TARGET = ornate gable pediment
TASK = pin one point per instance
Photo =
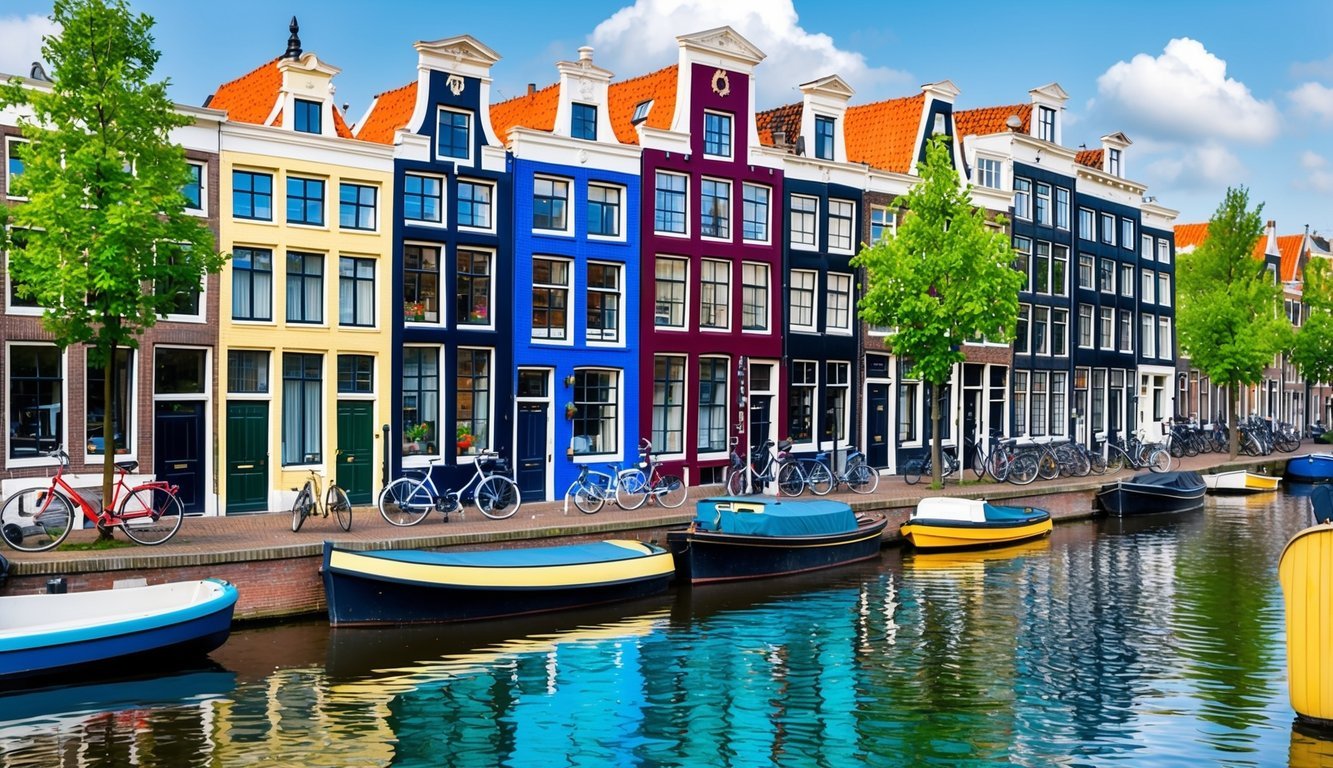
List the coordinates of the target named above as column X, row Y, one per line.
column 723, row 41
column 832, row 85
column 460, row 53
column 1050, row 92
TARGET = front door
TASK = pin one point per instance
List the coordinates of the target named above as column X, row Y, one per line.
column 178, row 451
column 760, row 419
column 532, row 457
column 247, row 457
column 356, row 450
column 972, row 403
column 877, row 426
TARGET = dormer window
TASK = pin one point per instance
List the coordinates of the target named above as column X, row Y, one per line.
column 308, row 116
column 641, row 111
column 583, row 122
column 1113, row 161
column 1046, row 124
column 824, row 137
column 453, row 136
column 717, row 134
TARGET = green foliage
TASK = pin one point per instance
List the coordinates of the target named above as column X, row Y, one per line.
column 1312, row 350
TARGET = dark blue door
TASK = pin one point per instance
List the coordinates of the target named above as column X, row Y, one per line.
column 532, row 459
column 178, row 450
column 877, row 425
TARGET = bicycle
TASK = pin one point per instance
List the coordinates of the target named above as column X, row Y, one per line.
column 38, row 519
column 667, row 490
column 406, row 501
column 1135, row 454
column 625, row 488
column 915, row 468
column 307, row 504
column 745, row 476
column 856, row 474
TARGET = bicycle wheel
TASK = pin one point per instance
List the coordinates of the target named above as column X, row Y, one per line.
column 632, row 489
column 670, row 491
column 1048, row 467
column 337, row 502
column 1097, row 463
column 36, row 520
column 736, row 482
column 819, row 479
column 912, row 471
column 587, row 498
column 305, row 502
column 1115, row 460
column 862, row 478
column 1160, row 460
column 791, row 482
column 979, row 462
column 497, row 497
column 1023, row 469
column 998, row 466
column 151, row 515
column 404, row 502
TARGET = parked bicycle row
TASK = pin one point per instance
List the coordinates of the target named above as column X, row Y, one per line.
column 1258, row 437
column 773, row 463
column 1009, row 460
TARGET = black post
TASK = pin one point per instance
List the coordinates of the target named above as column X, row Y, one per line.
column 385, row 430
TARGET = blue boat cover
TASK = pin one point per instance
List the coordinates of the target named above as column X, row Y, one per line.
column 590, row 552
column 765, row 517
column 997, row 514
column 1321, row 501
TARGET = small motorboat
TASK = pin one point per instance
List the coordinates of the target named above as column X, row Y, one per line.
column 1304, row 570
column 1240, row 481
column 409, row 586
column 940, row 522
column 747, row 537
column 48, row 635
column 1152, row 492
column 1311, row 468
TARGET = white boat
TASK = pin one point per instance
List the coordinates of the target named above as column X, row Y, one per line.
column 1240, row 481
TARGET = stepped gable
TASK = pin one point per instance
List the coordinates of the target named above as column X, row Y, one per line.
column 389, row 112
column 534, row 110
column 659, row 86
column 884, row 134
column 1092, row 158
column 785, row 119
column 251, row 98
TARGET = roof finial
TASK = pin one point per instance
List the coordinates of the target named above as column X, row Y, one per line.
column 293, row 42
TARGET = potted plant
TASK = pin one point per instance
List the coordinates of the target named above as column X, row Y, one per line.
column 571, row 410
column 415, row 436
column 414, row 311
column 463, row 435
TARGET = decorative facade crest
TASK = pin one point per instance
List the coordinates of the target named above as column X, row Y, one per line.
column 455, row 84
column 721, row 83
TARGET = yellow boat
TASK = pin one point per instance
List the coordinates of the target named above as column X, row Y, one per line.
column 1240, row 482
column 1305, row 571
column 950, row 523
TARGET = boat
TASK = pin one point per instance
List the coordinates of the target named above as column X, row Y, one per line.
column 1311, row 468
column 941, row 522
column 745, row 537
column 1305, row 570
column 1240, row 481
column 49, row 635
column 410, row 586
column 1151, row 492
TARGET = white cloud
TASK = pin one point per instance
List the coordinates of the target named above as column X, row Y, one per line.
column 21, row 42
column 642, row 37
column 1321, row 69
column 1207, row 165
column 1318, row 176
column 1185, row 94
column 1313, row 100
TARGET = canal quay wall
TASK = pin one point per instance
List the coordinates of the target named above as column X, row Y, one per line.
column 277, row 572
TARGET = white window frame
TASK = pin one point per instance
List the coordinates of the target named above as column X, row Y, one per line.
column 1147, row 287
column 444, row 201
column 471, row 132
column 1148, row 332
column 724, row 219
column 705, row 265
column 805, row 282
column 1163, row 251
column 882, row 216
column 131, row 414
column 477, row 183
column 1106, row 225
column 556, row 183
column 731, row 134
column 989, row 172
column 1164, row 289
column 684, row 324
column 1043, row 215
column 767, row 212
column 833, row 280
column 63, row 438
column 1106, row 328
column 810, row 216
column 10, row 141
column 685, row 197
column 759, row 267
column 620, row 191
column 1127, row 230
column 1087, row 329
column 202, row 165
column 568, row 288
column 1126, row 331
column 1126, row 279
column 1089, row 232
column 1023, row 194
column 848, row 221
column 1063, row 203
column 599, row 337
column 1165, row 347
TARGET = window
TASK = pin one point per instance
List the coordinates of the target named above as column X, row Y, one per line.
column 603, row 210
column 1127, row 280
column 421, row 397
column 356, row 206
column 1127, row 233
column 1106, row 328
column 1113, row 162
column 1021, row 329
column 836, row 387
column 472, row 299
column 596, row 412
column 1041, row 268
column 550, row 299
column 305, row 201
column 1020, row 402
column 1164, row 289
column 1148, row 335
column 1023, row 260
column 180, row 371
column 550, row 198
column 1041, row 330
column 803, row 299
column 194, row 189
column 356, row 291
column 715, row 208
column 714, row 294
column 881, row 224
column 356, row 374
column 1164, row 251
column 1038, row 404
column 603, row 302
column 36, row 400
column 801, row 401
column 184, row 295
column 302, row 413
column 1085, row 271
column 421, row 283
column 1164, row 348
column 1087, row 225
column 988, row 173
column 583, row 121
column 1126, row 331
column 717, row 134
column 754, row 212
column 669, row 206
column 13, row 164
column 1046, row 124
column 1146, row 247
column 1060, row 332
column 305, row 287
column 1108, row 228
column 251, row 284
column 453, row 135
column 824, row 137
column 1061, row 208
column 839, row 316
column 840, row 216
column 1059, row 411
column 641, row 111
column 669, row 303
column 474, row 204
column 712, row 404
column 1106, row 275
column 423, row 198
column 668, row 425
column 754, row 296
column 1042, row 208
column 1085, row 326
column 1022, row 198
column 308, row 116
column 1148, row 287
column 804, row 215
column 252, row 195
column 247, row 372
column 473, row 409
column 1059, row 268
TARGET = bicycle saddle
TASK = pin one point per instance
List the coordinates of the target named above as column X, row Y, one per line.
column 128, row 466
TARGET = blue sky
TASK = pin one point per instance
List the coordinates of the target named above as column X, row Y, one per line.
column 1211, row 93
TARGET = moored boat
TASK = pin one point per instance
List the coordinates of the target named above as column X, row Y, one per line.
column 1152, row 492
column 408, row 586
column 733, row 538
column 48, row 635
column 1311, row 468
column 1304, row 570
column 1240, row 481
column 940, row 522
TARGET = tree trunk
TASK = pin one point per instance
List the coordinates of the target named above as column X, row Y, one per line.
column 935, row 468
column 1233, row 428
column 108, row 432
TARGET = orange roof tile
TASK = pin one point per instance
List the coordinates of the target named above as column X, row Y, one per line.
column 786, row 119
column 250, row 97
column 534, row 110
column 659, row 86
column 884, row 134
column 987, row 120
column 1290, row 248
column 390, row 111
column 1190, row 235
column 1091, row 158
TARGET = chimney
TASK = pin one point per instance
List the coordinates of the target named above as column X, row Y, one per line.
column 532, row 88
column 779, row 138
column 294, row 42
column 585, row 53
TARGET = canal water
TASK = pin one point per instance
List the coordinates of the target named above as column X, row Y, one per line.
column 1142, row 642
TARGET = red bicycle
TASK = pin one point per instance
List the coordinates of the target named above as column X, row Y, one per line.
column 38, row 519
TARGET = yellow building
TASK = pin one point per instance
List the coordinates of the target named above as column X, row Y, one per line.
column 306, row 216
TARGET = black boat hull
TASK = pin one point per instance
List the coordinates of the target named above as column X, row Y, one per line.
column 705, row 557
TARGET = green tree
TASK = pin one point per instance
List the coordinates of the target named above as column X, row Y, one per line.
column 945, row 277
column 1312, row 350
column 1229, row 307
column 107, row 245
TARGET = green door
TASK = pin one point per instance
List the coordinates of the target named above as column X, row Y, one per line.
column 356, row 449
column 247, row 457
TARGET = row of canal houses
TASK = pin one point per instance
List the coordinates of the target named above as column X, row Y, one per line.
column 561, row 275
